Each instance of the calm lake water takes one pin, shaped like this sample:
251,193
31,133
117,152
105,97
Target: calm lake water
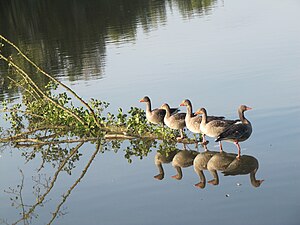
219,54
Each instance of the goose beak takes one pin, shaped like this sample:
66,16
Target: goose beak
142,100
198,112
181,104
248,108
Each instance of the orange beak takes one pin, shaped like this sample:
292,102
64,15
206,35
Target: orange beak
181,104
142,100
198,112
248,108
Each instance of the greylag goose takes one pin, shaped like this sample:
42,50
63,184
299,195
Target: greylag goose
162,158
192,120
200,164
175,121
213,128
219,161
246,164
239,131
155,116
182,159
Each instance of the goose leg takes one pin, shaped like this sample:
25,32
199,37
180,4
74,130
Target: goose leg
161,174
214,181
204,142
221,148
178,176
203,139
202,182
181,135
239,149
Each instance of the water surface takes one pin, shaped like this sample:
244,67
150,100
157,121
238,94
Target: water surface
219,54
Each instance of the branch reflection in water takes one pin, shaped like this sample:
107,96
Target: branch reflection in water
43,186
212,161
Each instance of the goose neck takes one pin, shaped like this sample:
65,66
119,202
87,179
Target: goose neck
189,111
148,107
204,117
253,180
242,117
168,113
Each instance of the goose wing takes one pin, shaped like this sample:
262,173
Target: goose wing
174,110
179,116
234,132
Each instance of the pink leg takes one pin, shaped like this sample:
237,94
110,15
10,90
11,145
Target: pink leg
239,149
181,135
204,141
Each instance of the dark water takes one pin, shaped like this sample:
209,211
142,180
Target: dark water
219,54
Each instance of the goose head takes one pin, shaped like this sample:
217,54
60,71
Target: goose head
200,111
186,102
165,106
244,108
145,99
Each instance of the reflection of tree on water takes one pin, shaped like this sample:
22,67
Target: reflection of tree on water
42,190
69,38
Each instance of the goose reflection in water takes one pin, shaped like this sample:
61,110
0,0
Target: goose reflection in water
184,158
213,161
230,165
200,164
179,158
163,158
